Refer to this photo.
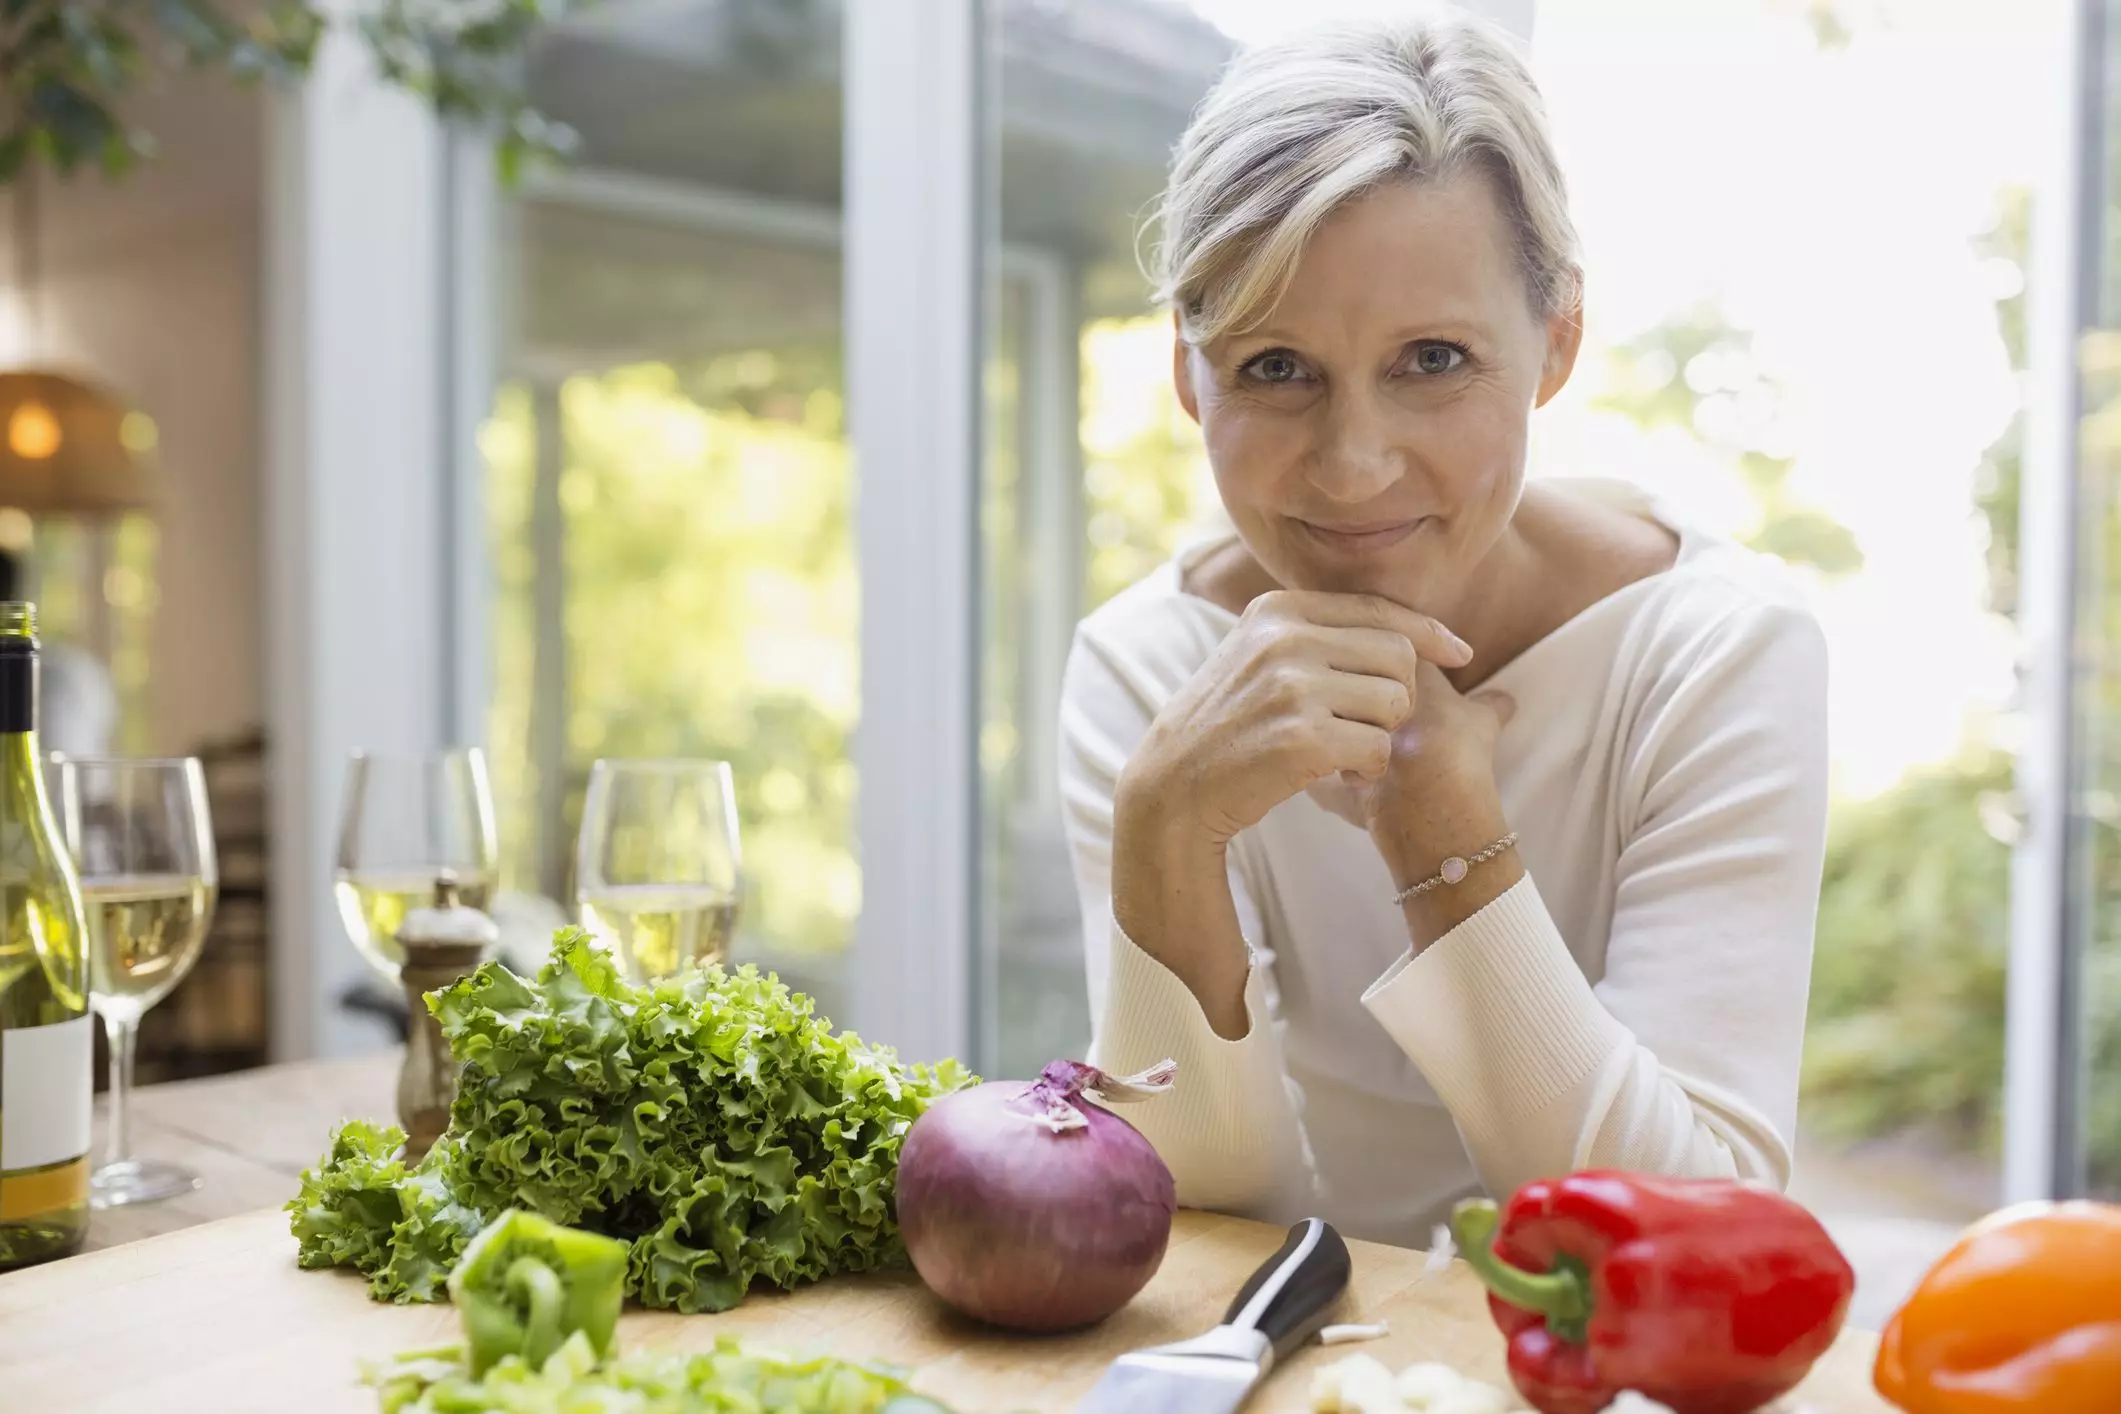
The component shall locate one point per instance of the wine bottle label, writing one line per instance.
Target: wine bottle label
(44, 1093)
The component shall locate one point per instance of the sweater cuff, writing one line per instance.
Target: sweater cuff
(1228, 1128)
(1499, 1018)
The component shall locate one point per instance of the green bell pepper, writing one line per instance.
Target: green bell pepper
(525, 1284)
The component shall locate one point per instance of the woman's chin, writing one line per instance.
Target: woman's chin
(1387, 577)
(1398, 566)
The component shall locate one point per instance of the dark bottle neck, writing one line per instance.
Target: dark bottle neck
(18, 685)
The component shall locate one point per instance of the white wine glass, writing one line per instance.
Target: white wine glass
(143, 844)
(658, 863)
(408, 818)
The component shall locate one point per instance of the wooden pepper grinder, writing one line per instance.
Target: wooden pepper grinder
(441, 944)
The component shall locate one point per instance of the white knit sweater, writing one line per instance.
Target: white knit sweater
(1637, 1001)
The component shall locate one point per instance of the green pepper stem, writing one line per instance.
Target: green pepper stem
(1563, 1295)
(529, 1279)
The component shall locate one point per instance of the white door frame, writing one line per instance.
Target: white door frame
(914, 256)
(2041, 1148)
(357, 532)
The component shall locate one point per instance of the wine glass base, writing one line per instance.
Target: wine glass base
(138, 1181)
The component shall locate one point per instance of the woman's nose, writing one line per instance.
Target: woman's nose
(1358, 456)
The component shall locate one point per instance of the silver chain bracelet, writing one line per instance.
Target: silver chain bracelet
(1455, 869)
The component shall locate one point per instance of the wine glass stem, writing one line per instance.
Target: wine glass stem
(118, 1139)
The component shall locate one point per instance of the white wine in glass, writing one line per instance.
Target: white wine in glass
(408, 818)
(141, 838)
(660, 929)
(658, 866)
(148, 930)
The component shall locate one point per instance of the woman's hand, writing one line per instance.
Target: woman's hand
(1307, 686)
(1438, 799)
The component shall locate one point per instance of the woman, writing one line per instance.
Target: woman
(1449, 831)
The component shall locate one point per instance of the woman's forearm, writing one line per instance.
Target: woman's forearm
(1171, 896)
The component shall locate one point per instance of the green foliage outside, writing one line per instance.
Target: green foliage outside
(1906, 1026)
(69, 68)
(1146, 484)
(1907, 1020)
(1908, 982)
(711, 610)
(1696, 373)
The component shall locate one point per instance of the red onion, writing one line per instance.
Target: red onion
(1027, 1206)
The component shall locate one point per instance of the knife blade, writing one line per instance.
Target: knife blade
(1283, 1305)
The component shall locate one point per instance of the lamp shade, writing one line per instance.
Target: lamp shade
(63, 448)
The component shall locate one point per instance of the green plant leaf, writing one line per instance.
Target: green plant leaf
(71, 68)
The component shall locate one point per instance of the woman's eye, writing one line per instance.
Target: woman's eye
(1433, 359)
(1275, 366)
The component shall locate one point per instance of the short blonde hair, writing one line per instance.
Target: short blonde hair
(1294, 130)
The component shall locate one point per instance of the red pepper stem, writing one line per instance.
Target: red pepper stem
(1563, 1295)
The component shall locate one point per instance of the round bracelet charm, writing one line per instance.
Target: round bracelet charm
(1454, 869)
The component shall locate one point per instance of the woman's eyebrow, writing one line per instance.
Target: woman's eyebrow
(1445, 327)
(1438, 327)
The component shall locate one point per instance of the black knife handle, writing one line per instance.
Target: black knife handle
(1292, 1294)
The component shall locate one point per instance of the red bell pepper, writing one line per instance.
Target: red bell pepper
(1710, 1296)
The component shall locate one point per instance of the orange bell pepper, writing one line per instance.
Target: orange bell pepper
(2022, 1316)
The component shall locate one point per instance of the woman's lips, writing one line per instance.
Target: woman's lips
(1358, 539)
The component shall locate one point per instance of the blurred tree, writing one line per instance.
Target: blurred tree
(1145, 476)
(1906, 1025)
(1907, 1017)
(710, 608)
(1836, 24)
(1697, 373)
(2005, 249)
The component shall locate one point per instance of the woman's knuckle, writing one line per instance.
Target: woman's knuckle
(1291, 736)
(1273, 605)
(1281, 642)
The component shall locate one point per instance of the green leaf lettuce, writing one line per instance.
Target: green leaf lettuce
(712, 1121)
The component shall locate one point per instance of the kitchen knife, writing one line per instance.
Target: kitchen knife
(1282, 1306)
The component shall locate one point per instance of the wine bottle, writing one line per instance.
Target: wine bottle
(45, 1040)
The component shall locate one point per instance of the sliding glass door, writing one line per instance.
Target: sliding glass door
(667, 490)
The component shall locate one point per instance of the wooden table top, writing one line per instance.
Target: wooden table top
(248, 1136)
(180, 1312)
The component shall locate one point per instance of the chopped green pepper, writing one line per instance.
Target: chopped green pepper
(526, 1284)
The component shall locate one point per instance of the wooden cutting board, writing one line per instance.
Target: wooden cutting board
(218, 1318)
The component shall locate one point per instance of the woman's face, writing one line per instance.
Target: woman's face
(1369, 435)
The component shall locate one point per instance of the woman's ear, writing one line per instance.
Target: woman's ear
(1564, 341)
(1182, 368)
